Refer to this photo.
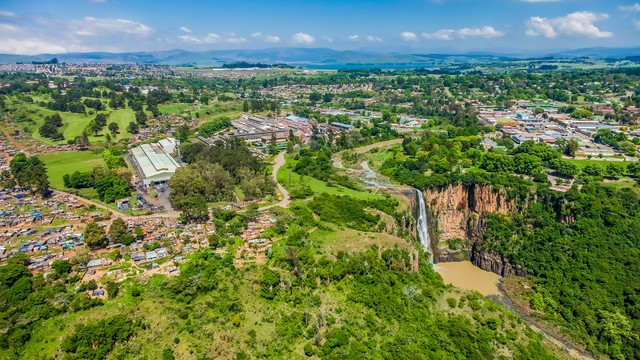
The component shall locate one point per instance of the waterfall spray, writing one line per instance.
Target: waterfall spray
(422, 226)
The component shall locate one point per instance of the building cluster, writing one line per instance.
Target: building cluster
(53, 229)
(527, 122)
(261, 130)
(95, 70)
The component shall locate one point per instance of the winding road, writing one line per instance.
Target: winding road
(277, 164)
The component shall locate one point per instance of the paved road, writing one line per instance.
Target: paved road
(285, 194)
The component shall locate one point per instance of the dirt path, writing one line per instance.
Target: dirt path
(10, 139)
(285, 194)
(91, 202)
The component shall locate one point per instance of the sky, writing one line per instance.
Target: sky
(60, 26)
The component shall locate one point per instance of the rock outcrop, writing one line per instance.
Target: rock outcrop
(458, 220)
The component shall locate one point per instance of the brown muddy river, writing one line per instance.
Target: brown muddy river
(468, 277)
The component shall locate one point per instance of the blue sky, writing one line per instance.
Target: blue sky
(58, 26)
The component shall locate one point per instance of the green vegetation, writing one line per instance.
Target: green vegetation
(212, 174)
(61, 163)
(579, 248)
(30, 173)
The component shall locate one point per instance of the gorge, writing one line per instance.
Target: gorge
(457, 217)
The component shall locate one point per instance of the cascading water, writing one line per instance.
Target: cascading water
(422, 226)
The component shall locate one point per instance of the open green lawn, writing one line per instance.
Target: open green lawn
(204, 113)
(290, 180)
(62, 163)
(601, 163)
(73, 124)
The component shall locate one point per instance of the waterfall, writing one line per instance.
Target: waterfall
(422, 226)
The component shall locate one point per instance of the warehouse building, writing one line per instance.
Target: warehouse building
(154, 162)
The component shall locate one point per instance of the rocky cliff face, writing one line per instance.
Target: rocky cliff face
(458, 220)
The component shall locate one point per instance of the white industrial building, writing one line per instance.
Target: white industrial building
(154, 162)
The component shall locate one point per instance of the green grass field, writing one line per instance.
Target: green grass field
(290, 180)
(62, 163)
(601, 163)
(352, 241)
(73, 124)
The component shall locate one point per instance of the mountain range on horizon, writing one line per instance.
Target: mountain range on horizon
(318, 57)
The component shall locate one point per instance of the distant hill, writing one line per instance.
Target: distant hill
(312, 57)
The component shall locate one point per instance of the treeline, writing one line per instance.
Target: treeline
(378, 291)
(30, 173)
(581, 249)
(111, 182)
(211, 174)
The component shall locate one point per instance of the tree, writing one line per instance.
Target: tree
(315, 96)
(571, 147)
(112, 289)
(114, 127)
(119, 233)
(182, 133)
(141, 118)
(527, 164)
(614, 170)
(95, 236)
(627, 147)
(30, 172)
(61, 268)
(564, 168)
(592, 170)
(581, 114)
(133, 128)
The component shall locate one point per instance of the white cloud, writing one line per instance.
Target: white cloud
(266, 38)
(464, 33)
(372, 38)
(409, 36)
(302, 38)
(210, 38)
(272, 38)
(631, 8)
(234, 39)
(93, 26)
(30, 46)
(185, 30)
(327, 39)
(579, 23)
(7, 28)
(485, 32)
(354, 37)
(537, 26)
(444, 34)
(189, 39)
(5, 13)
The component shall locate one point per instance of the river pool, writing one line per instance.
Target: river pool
(467, 276)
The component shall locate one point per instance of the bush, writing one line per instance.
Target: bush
(452, 302)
